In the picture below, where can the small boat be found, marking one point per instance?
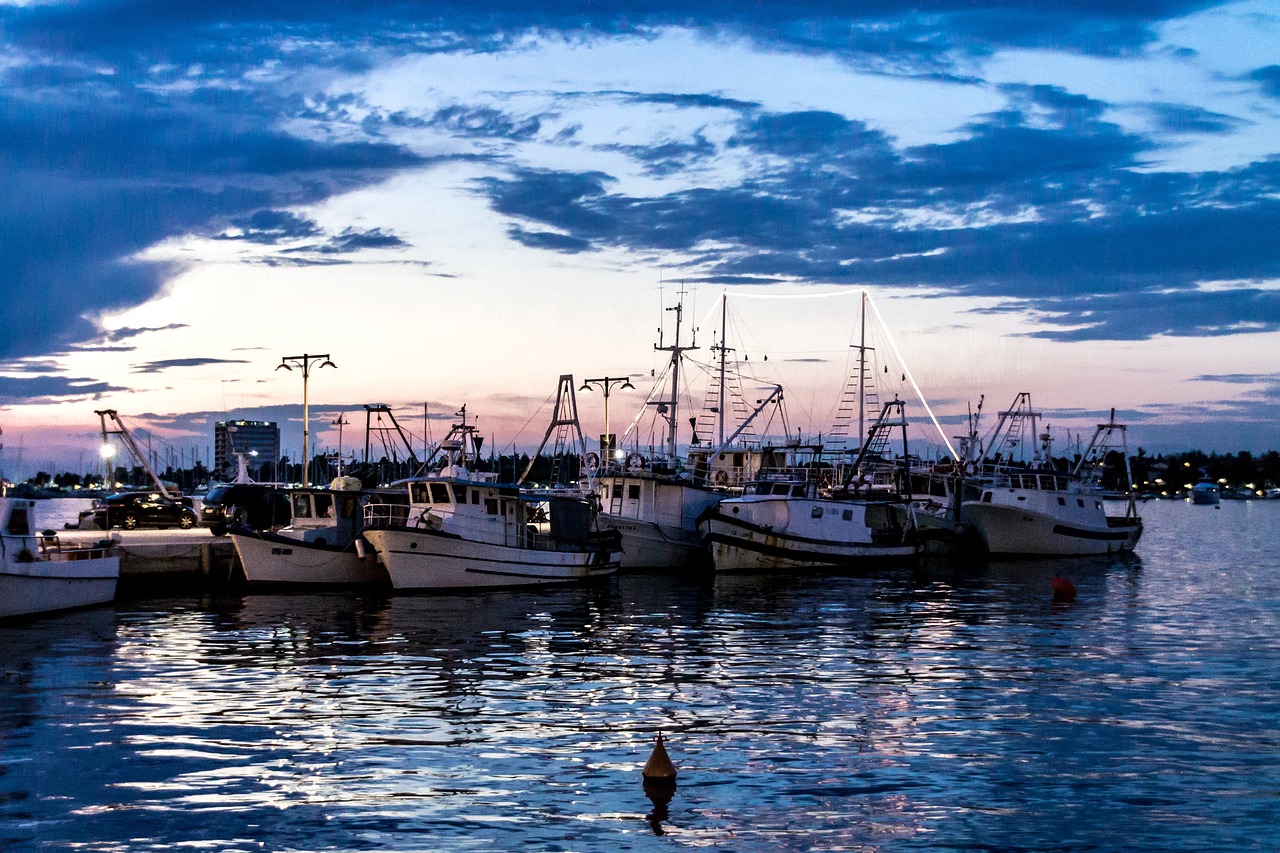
(791, 519)
(1206, 492)
(40, 575)
(462, 529)
(320, 545)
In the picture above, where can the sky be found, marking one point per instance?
(459, 202)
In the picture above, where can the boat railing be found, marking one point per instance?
(381, 516)
(1039, 481)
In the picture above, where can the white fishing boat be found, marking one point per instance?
(1035, 509)
(462, 529)
(319, 547)
(789, 519)
(40, 575)
(654, 498)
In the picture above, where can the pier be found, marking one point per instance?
(172, 559)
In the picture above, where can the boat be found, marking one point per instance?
(652, 498)
(321, 544)
(38, 574)
(462, 529)
(792, 519)
(1205, 492)
(1032, 507)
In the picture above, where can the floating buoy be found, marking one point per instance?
(1063, 589)
(659, 770)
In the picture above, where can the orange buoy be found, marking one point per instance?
(1063, 589)
(659, 770)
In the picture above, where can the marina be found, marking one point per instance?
(943, 706)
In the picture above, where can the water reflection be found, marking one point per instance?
(949, 705)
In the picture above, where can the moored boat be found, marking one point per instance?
(320, 545)
(462, 529)
(1038, 510)
(1206, 493)
(40, 575)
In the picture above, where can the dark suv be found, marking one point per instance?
(253, 504)
(143, 509)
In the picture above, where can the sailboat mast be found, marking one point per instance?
(724, 326)
(862, 370)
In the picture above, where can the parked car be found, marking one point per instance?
(143, 509)
(256, 505)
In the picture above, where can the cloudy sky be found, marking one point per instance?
(460, 201)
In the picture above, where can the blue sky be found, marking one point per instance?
(461, 201)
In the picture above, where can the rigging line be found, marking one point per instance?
(520, 432)
(907, 370)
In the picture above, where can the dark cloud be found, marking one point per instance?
(169, 363)
(46, 389)
(269, 227)
(1269, 78)
(1176, 118)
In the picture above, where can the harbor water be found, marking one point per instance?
(950, 706)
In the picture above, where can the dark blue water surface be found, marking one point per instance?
(946, 707)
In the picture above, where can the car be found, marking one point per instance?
(131, 510)
(254, 505)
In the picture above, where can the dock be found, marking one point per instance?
(169, 559)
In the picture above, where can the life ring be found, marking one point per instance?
(721, 478)
(635, 460)
(593, 461)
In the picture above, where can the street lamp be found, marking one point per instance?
(304, 361)
(605, 383)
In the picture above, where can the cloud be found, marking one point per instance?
(1269, 79)
(45, 389)
(169, 363)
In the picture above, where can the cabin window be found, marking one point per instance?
(797, 491)
(617, 492)
(847, 515)
(816, 512)
(347, 506)
(439, 493)
(475, 497)
(324, 506)
(1097, 504)
(460, 494)
(19, 525)
(491, 506)
(419, 493)
(1062, 501)
(302, 506)
(986, 497)
(1080, 503)
(633, 492)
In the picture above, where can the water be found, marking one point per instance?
(939, 708)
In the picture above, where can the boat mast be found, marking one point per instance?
(676, 351)
(724, 349)
(862, 370)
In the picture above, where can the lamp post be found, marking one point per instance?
(304, 362)
(605, 383)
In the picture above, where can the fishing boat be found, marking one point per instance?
(1032, 508)
(320, 545)
(792, 518)
(652, 497)
(38, 574)
(462, 529)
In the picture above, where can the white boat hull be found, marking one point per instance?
(272, 561)
(424, 560)
(1021, 531)
(646, 545)
(762, 536)
(47, 586)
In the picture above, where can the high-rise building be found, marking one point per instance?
(259, 440)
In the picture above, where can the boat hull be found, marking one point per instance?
(761, 537)
(647, 545)
(426, 560)
(47, 586)
(1018, 531)
(276, 560)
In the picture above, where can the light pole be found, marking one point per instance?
(605, 383)
(340, 423)
(304, 361)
